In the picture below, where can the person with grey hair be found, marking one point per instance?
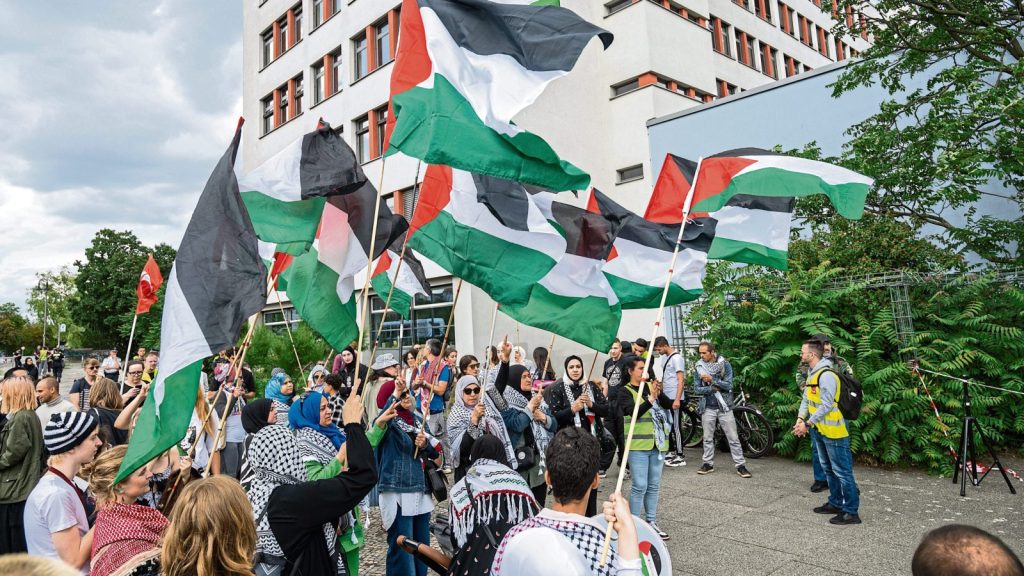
(713, 381)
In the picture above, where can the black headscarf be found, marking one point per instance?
(490, 447)
(566, 373)
(255, 413)
(515, 378)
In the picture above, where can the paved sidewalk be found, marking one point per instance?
(722, 524)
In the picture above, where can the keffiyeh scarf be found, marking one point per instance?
(714, 369)
(586, 388)
(460, 421)
(126, 536)
(518, 401)
(491, 484)
(275, 460)
(586, 537)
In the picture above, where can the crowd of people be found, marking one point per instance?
(287, 483)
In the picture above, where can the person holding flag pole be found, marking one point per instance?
(149, 283)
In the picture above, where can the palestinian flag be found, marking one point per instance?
(641, 256)
(217, 281)
(485, 230)
(465, 68)
(674, 180)
(320, 281)
(574, 299)
(403, 282)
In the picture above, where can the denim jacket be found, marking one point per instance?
(723, 381)
(399, 471)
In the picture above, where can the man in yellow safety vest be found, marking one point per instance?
(820, 416)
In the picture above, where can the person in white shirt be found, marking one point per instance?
(56, 523)
(50, 400)
(673, 378)
(111, 366)
(562, 531)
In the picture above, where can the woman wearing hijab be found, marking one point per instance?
(484, 505)
(580, 404)
(256, 415)
(128, 536)
(519, 358)
(345, 365)
(529, 421)
(321, 445)
(473, 414)
(280, 390)
(405, 501)
(293, 536)
(315, 380)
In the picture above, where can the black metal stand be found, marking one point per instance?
(968, 449)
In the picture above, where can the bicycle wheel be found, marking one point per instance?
(688, 422)
(754, 430)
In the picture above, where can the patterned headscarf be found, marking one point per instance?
(273, 390)
(305, 413)
(518, 400)
(460, 417)
(275, 461)
(126, 536)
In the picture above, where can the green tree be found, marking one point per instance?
(12, 327)
(937, 147)
(270, 348)
(106, 283)
(53, 297)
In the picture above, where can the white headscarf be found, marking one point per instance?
(459, 420)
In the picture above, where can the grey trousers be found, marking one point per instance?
(728, 423)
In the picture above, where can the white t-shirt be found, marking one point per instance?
(670, 378)
(52, 506)
(110, 364)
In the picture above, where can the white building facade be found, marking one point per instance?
(310, 59)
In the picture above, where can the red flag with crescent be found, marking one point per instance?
(149, 282)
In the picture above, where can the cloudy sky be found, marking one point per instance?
(112, 117)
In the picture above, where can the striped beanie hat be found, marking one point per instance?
(65, 430)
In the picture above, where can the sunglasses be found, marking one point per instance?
(471, 391)
(135, 373)
(92, 367)
(319, 376)
(403, 395)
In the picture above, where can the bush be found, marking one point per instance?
(970, 329)
(271, 349)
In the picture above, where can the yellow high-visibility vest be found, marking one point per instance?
(833, 425)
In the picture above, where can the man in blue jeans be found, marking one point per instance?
(819, 410)
(841, 366)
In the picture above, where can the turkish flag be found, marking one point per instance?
(149, 282)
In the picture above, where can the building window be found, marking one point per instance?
(380, 120)
(362, 56)
(267, 40)
(268, 114)
(275, 319)
(823, 42)
(792, 66)
(318, 82)
(805, 33)
(763, 9)
(382, 37)
(318, 13)
(362, 132)
(335, 70)
(745, 50)
(616, 5)
(428, 317)
(743, 4)
(299, 90)
(721, 36)
(768, 56)
(282, 97)
(726, 89)
(840, 50)
(284, 36)
(624, 87)
(298, 24)
(630, 174)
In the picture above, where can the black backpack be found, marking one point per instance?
(851, 396)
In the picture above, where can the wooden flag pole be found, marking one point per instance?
(234, 383)
(369, 270)
(593, 365)
(647, 361)
(288, 328)
(547, 361)
(128, 350)
(437, 373)
(490, 341)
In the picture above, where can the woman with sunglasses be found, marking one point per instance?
(79, 395)
(473, 414)
(315, 380)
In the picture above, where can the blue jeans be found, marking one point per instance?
(400, 562)
(837, 462)
(645, 466)
(819, 473)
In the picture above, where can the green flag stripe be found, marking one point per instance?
(589, 320)
(439, 126)
(504, 270)
(848, 198)
(312, 289)
(400, 301)
(749, 252)
(636, 296)
(282, 222)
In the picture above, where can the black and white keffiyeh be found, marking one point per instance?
(460, 422)
(586, 537)
(714, 369)
(275, 460)
(494, 488)
(517, 400)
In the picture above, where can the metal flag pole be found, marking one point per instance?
(131, 336)
(647, 361)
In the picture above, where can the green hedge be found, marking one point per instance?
(968, 329)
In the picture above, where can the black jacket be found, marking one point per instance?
(298, 512)
(561, 404)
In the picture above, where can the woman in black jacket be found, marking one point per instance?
(581, 404)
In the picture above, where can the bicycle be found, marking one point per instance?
(752, 426)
